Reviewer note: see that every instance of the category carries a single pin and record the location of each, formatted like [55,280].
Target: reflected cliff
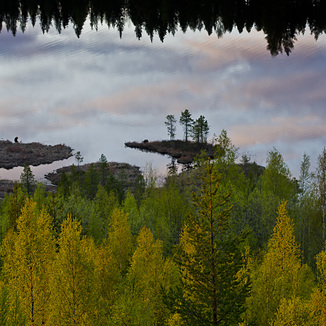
[280,20]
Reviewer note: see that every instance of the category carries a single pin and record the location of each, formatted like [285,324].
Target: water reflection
[38,171]
[97,92]
[281,21]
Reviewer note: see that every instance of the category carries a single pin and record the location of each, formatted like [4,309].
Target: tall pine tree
[210,260]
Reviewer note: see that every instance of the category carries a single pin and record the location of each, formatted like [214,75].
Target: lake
[99,90]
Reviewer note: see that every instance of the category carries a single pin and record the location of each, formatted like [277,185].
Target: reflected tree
[280,21]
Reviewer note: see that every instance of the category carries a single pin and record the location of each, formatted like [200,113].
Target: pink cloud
[285,129]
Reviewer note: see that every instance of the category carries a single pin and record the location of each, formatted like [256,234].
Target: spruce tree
[210,260]
[27,180]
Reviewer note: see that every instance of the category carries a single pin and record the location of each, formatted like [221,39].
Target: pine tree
[186,121]
[200,130]
[210,260]
[170,124]
[27,256]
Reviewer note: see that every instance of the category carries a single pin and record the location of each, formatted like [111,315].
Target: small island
[129,172]
[183,151]
[19,154]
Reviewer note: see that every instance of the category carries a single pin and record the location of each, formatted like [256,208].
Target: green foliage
[27,256]
[225,160]
[64,185]
[293,312]
[11,207]
[136,220]
[79,158]
[170,124]
[92,180]
[277,177]
[164,211]
[150,276]
[186,121]
[120,239]
[210,260]
[281,276]
[116,282]
[261,216]
[200,129]
[74,292]
[320,191]
[226,152]
[27,180]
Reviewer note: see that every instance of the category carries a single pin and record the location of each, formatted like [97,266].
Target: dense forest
[281,21]
[223,243]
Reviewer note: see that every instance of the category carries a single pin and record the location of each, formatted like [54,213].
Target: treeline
[280,21]
[196,129]
[221,244]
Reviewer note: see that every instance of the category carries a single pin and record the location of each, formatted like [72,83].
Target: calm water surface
[98,91]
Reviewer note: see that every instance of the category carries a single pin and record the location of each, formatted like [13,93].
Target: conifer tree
[64,185]
[11,209]
[170,124]
[92,180]
[200,130]
[210,260]
[320,191]
[74,291]
[149,277]
[109,278]
[281,276]
[318,298]
[120,239]
[294,312]
[27,256]
[27,180]
[103,169]
[135,218]
[186,121]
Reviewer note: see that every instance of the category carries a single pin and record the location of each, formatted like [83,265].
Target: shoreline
[19,154]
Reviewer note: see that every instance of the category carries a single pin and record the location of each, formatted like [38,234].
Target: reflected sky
[99,91]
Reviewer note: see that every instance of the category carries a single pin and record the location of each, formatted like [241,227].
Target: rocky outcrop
[184,152]
[129,173]
[18,154]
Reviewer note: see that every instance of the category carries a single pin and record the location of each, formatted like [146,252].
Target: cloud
[289,130]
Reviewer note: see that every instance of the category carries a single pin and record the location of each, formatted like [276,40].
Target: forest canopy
[222,243]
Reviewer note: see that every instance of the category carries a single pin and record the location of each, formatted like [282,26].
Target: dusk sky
[99,91]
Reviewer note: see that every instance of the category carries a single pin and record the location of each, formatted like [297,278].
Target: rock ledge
[18,154]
